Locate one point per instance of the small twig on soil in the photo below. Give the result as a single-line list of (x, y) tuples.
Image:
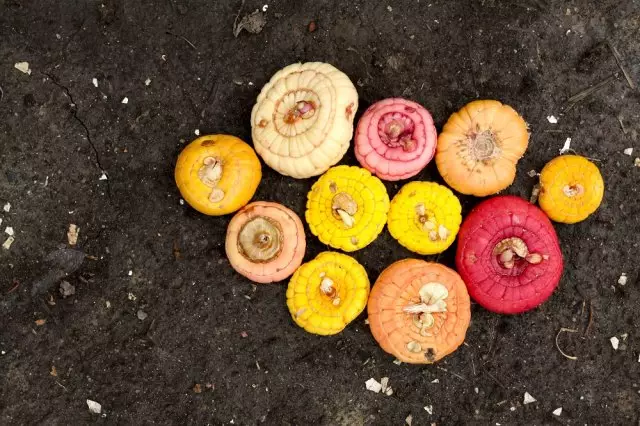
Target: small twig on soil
[(496, 380), (492, 333), (619, 62), (235, 21), (568, 330), (534, 194), (15, 287), (556, 131), (1, 94), (473, 366), (184, 38), (624, 130), (176, 250), (586, 330), (62, 386), (583, 94), (452, 373)]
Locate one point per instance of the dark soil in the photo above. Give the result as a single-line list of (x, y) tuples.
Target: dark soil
[(59, 133)]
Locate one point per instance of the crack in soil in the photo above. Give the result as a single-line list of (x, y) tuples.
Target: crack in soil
[(74, 109)]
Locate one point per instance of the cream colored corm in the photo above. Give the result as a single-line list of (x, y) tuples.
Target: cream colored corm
[(302, 121)]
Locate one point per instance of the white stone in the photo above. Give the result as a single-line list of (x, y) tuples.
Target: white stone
[(623, 279), (429, 409), (95, 82), (373, 385), (614, 342), (557, 411), (103, 176), (7, 207), (197, 132), (23, 67), (528, 399), (125, 100), (147, 82), (628, 151), (551, 119), (566, 147), (8, 230), (8, 242), (94, 407)]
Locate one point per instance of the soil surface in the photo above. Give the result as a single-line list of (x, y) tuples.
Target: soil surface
[(159, 314)]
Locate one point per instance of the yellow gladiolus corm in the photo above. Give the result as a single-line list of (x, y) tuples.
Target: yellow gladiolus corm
[(571, 188), (217, 174), (425, 217), (347, 208), (327, 293)]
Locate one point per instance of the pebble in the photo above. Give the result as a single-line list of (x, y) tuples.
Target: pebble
[(125, 100), (7, 207), (142, 315), (557, 411), (66, 289), (528, 399), (551, 119), (628, 151), (623, 279), (23, 67), (94, 407), (615, 342), (95, 82)]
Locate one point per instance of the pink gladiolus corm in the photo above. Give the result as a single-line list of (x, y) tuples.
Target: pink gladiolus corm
[(395, 139)]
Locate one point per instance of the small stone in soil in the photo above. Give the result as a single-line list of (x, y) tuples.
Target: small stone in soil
[(628, 151), (142, 315), (67, 289), (615, 342), (7, 207), (623, 279), (94, 407), (557, 411), (8, 242), (373, 385), (528, 399), (551, 119)]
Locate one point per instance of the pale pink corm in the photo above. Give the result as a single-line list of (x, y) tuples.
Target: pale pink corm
[(389, 155)]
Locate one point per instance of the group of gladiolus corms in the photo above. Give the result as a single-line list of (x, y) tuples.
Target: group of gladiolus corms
[(508, 257)]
